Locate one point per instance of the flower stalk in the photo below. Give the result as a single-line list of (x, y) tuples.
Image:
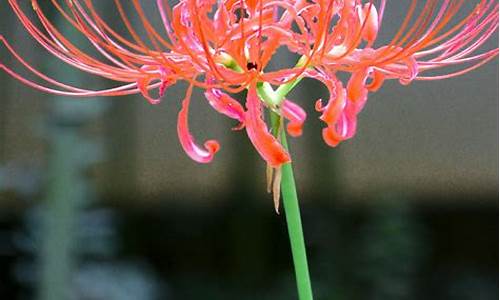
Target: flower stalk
[(295, 232), (290, 199)]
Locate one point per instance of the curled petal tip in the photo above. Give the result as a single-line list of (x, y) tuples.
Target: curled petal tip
[(296, 117), (378, 79), (318, 105), (411, 72), (212, 146), (196, 153), (330, 137), (143, 83), (294, 130)]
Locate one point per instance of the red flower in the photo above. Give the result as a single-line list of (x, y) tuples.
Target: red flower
[(225, 46)]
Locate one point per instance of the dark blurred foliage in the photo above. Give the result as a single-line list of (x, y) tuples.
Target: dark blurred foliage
[(389, 250)]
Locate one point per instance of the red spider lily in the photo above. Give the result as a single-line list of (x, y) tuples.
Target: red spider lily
[(225, 46)]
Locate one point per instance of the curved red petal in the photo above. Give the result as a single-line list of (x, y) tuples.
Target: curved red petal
[(369, 15), (356, 88), (378, 79), (296, 117), (143, 86), (337, 100), (331, 137), (186, 139), (336, 104), (225, 104), (264, 142), (340, 113), (144, 82)]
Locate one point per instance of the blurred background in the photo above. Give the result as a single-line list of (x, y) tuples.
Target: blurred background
[(98, 200)]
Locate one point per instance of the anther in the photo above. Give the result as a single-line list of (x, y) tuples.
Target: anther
[(251, 66)]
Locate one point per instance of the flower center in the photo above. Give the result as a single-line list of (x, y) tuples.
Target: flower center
[(251, 66)]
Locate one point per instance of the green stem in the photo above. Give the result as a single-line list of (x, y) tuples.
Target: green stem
[(293, 220), (294, 223), (288, 190)]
